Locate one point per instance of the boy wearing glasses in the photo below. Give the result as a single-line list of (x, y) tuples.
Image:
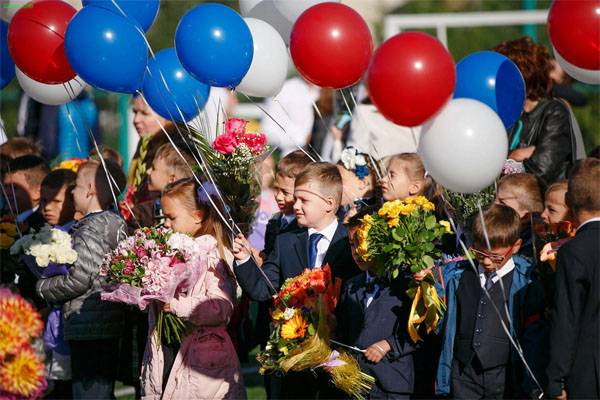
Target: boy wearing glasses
[(476, 348)]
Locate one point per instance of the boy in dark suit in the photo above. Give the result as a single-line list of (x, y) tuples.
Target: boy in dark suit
[(372, 314), (322, 240), (574, 370)]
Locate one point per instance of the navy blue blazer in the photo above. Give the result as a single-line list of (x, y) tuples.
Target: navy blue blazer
[(384, 319), (289, 258)]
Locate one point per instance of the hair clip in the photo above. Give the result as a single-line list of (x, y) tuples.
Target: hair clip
[(355, 161), (207, 189)]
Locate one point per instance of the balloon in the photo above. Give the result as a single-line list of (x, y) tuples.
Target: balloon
[(182, 98), (106, 50), (53, 95), (292, 10), (265, 10), (411, 77), (493, 79), (464, 146), (7, 66), (8, 8), (142, 11), (583, 75), (331, 45), (269, 64), (214, 44), (574, 30), (36, 41)]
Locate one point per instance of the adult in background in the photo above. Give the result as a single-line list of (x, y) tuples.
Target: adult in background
[(543, 139)]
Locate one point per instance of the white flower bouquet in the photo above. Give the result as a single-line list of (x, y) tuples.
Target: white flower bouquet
[(49, 245)]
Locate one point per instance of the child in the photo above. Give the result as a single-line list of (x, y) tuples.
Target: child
[(359, 179), (206, 365), (106, 153), (372, 314), (322, 240), (476, 352), (92, 327), (56, 200), (574, 337), (406, 176), (555, 205)]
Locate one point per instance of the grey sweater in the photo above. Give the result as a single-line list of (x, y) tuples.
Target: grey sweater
[(86, 316)]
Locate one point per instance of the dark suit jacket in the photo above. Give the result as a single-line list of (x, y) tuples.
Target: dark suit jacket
[(575, 331), (384, 319), (289, 258), (273, 230)]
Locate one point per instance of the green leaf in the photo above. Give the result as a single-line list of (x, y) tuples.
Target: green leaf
[(395, 273), (430, 221), (428, 261)]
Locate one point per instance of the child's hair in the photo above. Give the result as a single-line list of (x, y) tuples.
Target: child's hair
[(58, 179), (356, 220), (502, 224), (584, 186), (180, 167), (292, 164), (187, 191), (371, 167), (107, 184), (557, 186), (526, 189), (108, 154), (33, 167), (18, 147), (415, 170), (326, 176)]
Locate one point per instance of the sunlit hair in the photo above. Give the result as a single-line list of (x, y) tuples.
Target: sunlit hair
[(107, 154), (526, 189), (180, 164), (502, 224), (33, 168), (186, 192), (326, 177), (414, 168), (557, 186), (584, 186), (292, 164)]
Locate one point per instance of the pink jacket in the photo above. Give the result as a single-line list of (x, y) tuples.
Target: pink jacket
[(207, 366)]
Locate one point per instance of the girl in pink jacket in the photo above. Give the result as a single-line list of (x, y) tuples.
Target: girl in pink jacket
[(205, 365)]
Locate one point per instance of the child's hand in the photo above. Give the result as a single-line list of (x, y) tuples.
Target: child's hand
[(166, 307), (419, 276), (241, 248), (377, 351)]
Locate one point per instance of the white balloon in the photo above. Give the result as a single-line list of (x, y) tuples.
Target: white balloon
[(8, 8), (269, 63), (292, 9), (464, 146), (53, 95), (265, 10), (583, 75)]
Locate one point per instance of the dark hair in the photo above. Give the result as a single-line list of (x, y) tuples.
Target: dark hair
[(356, 220), (584, 186), (59, 178), (107, 184), (595, 153), (502, 224), (34, 168), (533, 60)]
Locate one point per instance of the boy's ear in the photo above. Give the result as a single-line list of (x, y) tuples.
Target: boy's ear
[(517, 246)]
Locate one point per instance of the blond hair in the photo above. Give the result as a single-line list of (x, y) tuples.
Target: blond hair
[(326, 177), (292, 164), (414, 168), (526, 189), (179, 161)]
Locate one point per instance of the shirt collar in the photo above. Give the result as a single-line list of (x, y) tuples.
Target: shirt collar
[(26, 214), (92, 212), (597, 219), (327, 232), (506, 268), (288, 218)]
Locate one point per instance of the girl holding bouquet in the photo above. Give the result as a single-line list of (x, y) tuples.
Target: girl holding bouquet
[(205, 365)]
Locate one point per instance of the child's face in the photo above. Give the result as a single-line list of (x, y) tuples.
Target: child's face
[(313, 209), (506, 196), (353, 186), (19, 193), (555, 209), (354, 243), (83, 191), (396, 185), (159, 175), (57, 206), (284, 193), (494, 259), (178, 217)]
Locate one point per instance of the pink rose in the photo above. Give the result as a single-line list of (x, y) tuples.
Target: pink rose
[(225, 144), (255, 142), (235, 126), (140, 252)]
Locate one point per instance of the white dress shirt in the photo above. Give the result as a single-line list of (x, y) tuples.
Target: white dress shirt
[(371, 295), (325, 241), (506, 268), (597, 219)]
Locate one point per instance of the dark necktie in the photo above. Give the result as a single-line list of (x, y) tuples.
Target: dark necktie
[(489, 276), (284, 224), (312, 248)]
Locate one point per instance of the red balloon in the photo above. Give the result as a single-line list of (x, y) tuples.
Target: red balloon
[(574, 30), (331, 45), (411, 77), (36, 41)]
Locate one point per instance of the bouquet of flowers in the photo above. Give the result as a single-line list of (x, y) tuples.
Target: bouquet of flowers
[(8, 235), (70, 163), (21, 367), (405, 233), (8, 232), (300, 336), (154, 264), (232, 157), (49, 245)]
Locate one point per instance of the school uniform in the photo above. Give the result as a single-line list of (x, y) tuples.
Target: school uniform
[(277, 225), (370, 311)]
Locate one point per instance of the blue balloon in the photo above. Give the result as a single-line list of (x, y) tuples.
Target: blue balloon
[(214, 44), (493, 79), (106, 50), (7, 66), (182, 98), (142, 11)]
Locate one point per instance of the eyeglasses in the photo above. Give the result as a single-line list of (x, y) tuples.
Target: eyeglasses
[(495, 258)]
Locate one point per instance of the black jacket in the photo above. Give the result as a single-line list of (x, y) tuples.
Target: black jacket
[(575, 332), (548, 128)]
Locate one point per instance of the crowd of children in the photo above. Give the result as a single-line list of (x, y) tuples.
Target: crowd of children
[(511, 328)]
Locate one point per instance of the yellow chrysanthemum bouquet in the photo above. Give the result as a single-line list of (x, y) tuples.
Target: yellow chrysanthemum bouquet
[(405, 233)]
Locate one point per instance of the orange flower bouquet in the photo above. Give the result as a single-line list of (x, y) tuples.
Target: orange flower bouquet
[(300, 336), (21, 368)]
